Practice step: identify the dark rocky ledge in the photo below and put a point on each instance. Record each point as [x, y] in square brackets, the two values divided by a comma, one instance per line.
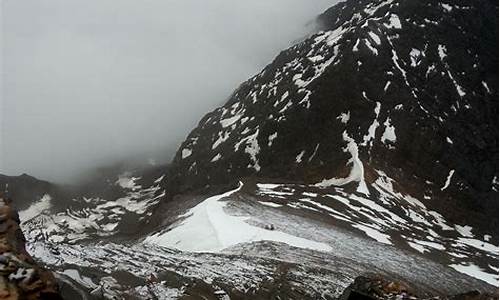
[20, 276]
[376, 287]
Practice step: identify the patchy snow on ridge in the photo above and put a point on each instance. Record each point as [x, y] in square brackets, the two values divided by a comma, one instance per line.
[35, 209]
[186, 153]
[208, 228]
[127, 182]
[389, 132]
[374, 234]
[476, 272]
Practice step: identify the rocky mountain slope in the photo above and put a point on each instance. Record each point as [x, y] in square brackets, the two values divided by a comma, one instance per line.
[369, 147]
[406, 87]
[25, 189]
[20, 276]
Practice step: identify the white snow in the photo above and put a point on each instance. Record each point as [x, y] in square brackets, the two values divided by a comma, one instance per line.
[389, 132]
[415, 55]
[442, 51]
[374, 234]
[440, 221]
[287, 105]
[271, 138]
[268, 186]
[369, 45]
[427, 244]
[480, 245]
[357, 171]
[159, 179]
[223, 136]
[375, 37]
[486, 87]
[355, 47]
[344, 117]
[35, 209]
[418, 247]
[394, 22]
[465, 231]
[387, 84]
[370, 135]
[83, 280]
[372, 8]
[186, 153]
[229, 121]
[458, 87]
[298, 158]
[448, 180]
[208, 228]
[476, 272]
[127, 182]
[283, 97]
[447, 7]
[216, 157]
[270, 204]
[314, 152]
[253, 149]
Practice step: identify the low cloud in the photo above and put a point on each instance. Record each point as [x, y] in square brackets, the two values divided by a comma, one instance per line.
[89, 82]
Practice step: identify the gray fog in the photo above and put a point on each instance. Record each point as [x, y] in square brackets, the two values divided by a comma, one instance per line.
[85, 83]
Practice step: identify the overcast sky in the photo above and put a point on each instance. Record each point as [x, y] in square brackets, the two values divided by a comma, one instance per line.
[90, 81]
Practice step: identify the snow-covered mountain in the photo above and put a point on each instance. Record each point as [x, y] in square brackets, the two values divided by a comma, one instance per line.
[406, 87]
[369, 147]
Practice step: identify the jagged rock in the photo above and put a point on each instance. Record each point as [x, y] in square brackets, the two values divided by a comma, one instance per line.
[372, 287]
[20, 276]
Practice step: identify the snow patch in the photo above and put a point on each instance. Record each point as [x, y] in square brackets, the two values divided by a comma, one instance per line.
[448, 180]
[465, 231]
[186, 153]
[374, 234]
[344, 117]
[216, 157]
[229, 121]
[442, 51]
[357, 170]
[476, 272]
[394, 22]
[208, 228]
[389, 132]
[271, 138]
[298, 158]
[35, 209]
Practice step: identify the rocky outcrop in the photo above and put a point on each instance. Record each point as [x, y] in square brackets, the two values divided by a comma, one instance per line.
[25, 189]
[373, 287]
[20, 276]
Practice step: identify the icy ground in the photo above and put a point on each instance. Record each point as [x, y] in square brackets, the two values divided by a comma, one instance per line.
[240, 241]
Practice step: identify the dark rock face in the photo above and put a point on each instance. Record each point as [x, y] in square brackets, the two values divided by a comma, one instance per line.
[372, 287]
[25, 189]
[20, 276]
[406, 87]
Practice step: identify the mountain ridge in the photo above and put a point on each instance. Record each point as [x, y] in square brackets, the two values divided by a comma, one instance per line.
[377, 71]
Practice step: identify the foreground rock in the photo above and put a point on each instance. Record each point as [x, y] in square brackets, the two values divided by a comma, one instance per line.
[20, 277]
[377, 287]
